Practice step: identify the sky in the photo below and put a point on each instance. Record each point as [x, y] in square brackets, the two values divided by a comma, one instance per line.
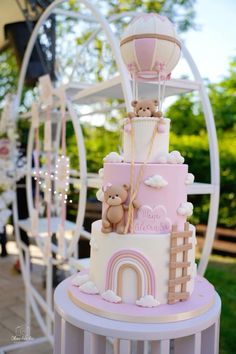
[214, 43]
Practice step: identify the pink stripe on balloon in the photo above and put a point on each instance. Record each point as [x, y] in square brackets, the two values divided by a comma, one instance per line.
[144, 50]
[133, 255]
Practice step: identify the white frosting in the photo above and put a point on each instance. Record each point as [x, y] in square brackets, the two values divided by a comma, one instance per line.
[100, 172]
[185, 209]
[175, 157]
[162, 159]
[154, 247]
[93, 243]
[79, 280]
[113, 157]
[89, 288]
[147, 301]
[189, 179]
[110, 296]
[156, 181]
[100, 195]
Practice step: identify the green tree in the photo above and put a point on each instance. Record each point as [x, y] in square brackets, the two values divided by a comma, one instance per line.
[190, 137]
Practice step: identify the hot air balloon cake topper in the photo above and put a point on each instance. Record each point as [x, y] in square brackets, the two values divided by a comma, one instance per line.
[150, 49]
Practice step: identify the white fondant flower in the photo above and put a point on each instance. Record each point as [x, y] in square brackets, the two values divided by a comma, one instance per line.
[89, 288]
[110, 296]
[189, 178]
[185, 209]
[100, 172]
[93, 243]
[156, 181]
[100, 195]
[147, 301]
[80, 279]
[175, 157]
[8, 196]
[113, 157]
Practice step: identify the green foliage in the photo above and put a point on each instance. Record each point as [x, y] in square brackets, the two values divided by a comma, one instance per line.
[223, 99]
[191, 139]
[181, 12]
[221, 272]
[8, 74]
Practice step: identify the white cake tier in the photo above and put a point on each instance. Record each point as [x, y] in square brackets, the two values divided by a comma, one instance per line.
[143, 128]
[133, 266]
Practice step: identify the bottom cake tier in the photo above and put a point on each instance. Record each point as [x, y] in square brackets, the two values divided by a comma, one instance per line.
[142, 269]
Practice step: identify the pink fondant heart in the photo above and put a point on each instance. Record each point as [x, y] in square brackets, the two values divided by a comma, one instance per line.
[152, 220]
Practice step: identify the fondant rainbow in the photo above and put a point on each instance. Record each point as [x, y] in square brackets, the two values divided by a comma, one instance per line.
[124, 259]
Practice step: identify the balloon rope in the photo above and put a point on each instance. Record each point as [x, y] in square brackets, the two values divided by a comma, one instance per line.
[163, 93]
[130, 212]
[130, 220]
[159, 90]
[133, 86]
[136, 90]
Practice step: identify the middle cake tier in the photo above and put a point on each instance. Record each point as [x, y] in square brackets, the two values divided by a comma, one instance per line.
[161, 194]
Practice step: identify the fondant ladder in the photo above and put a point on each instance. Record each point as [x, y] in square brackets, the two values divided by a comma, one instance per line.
[175, 249]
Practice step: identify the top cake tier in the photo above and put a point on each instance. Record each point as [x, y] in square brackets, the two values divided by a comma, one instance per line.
[146, 139]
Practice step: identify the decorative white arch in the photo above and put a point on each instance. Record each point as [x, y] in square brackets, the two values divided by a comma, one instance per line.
[34, 298]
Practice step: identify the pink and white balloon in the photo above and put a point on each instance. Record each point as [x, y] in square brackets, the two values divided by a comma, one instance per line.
[150, 47]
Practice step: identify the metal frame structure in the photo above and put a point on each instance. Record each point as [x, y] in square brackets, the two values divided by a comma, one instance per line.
[122, 85]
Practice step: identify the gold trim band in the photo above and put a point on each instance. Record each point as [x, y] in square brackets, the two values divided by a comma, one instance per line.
[151, 35]
[141, 319]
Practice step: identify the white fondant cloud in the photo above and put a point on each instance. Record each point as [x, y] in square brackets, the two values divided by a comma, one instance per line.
[189, 178]
[89, 288]
[100, 172]
[110, 296]
[156, 181]
[185, 209]
[147, 301]
[113, 157]
[162, 158]
[100, 195]
[93, 243]
[80, 279]
[175, 157]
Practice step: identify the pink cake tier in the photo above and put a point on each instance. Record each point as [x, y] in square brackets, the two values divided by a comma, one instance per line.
[162, 194]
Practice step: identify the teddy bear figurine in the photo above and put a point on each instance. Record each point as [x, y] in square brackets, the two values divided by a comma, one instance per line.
[113, 218]
[145, 108]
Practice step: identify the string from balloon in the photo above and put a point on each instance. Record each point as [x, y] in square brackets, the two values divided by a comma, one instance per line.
[161, 91]
[134, 191]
